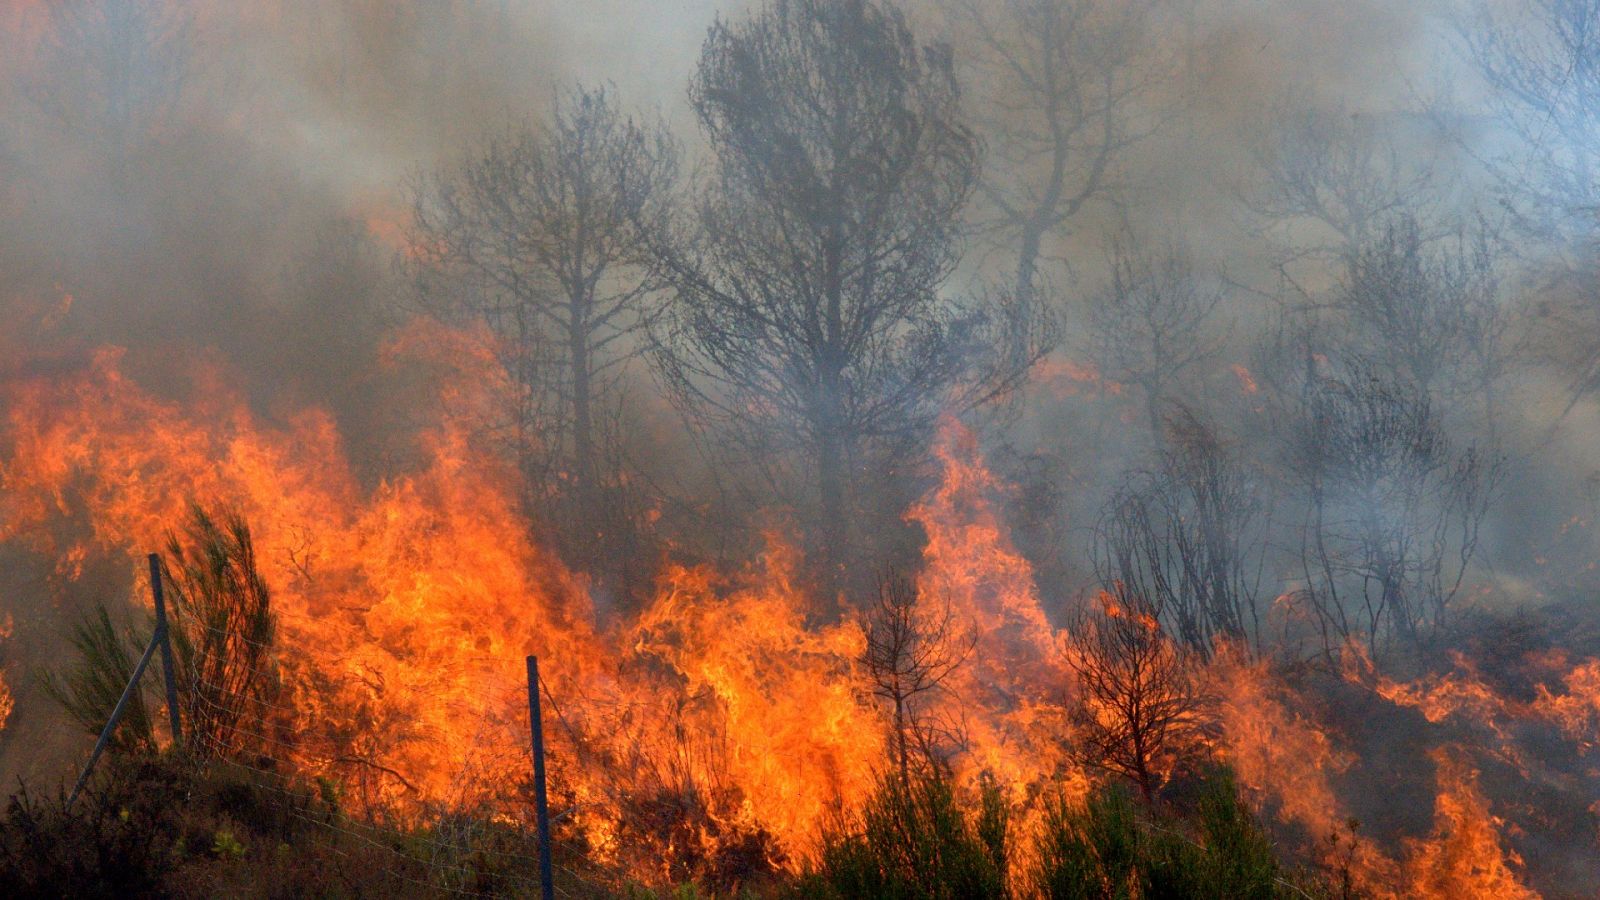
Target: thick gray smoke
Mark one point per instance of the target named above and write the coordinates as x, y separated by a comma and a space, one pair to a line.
229, 180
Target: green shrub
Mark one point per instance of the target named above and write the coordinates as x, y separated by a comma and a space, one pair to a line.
222, 634
1111, 848
913, 841
160, 827
1088, 850
1239, 857
90, 690
223, 628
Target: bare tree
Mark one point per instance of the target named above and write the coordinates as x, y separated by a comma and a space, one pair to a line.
1139, 708
1392, 512
1540, 60
808, 322
1540, 63
1061, 80
1330, 180
1427, 312
1189, 535
113, 70
1361, 381
223, 629
911, 649
1149, 325
537, 235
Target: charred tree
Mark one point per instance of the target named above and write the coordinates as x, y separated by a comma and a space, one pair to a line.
911, 650
537, 234
1392, 510
1540, 60
1385, 394
1328, 181
1428, 312
113, 71
1150, 326
808, 323
1065, 79
1189, 535
1139, 707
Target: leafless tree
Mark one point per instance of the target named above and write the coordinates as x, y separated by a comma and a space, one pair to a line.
912, 648
1392, 513
537, 234
1139, 708
1330, 180
1059, 84
1429, 313
1150, 326
1540, 63
1540, 60
113, 70
808, 322
1361, 382
1189, 536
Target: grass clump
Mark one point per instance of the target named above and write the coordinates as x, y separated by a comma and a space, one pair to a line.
1110, 847
914, 840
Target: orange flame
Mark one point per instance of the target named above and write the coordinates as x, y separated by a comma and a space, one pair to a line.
1464, 857
407, 603
7, 701
1247, 382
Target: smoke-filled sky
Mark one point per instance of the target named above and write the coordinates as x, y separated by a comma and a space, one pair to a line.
235, 182
335, 104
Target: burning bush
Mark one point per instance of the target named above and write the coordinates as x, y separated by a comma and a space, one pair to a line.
223, 629
1139, 707
221, 632
915, 839
1107, 846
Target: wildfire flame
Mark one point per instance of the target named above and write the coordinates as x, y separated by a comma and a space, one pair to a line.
7, 701
407, 602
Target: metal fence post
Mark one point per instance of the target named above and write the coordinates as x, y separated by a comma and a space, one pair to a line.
541, 810
116, 715
166, 650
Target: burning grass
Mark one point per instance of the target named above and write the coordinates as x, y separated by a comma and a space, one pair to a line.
730, 732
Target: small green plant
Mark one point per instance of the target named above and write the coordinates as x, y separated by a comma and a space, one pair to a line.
226, 846
328, 790
90, 689
1109, 847
913, 840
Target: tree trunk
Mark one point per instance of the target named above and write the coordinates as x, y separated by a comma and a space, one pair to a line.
1027, 264
830, 526
832, 530
900, 740
583, 462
